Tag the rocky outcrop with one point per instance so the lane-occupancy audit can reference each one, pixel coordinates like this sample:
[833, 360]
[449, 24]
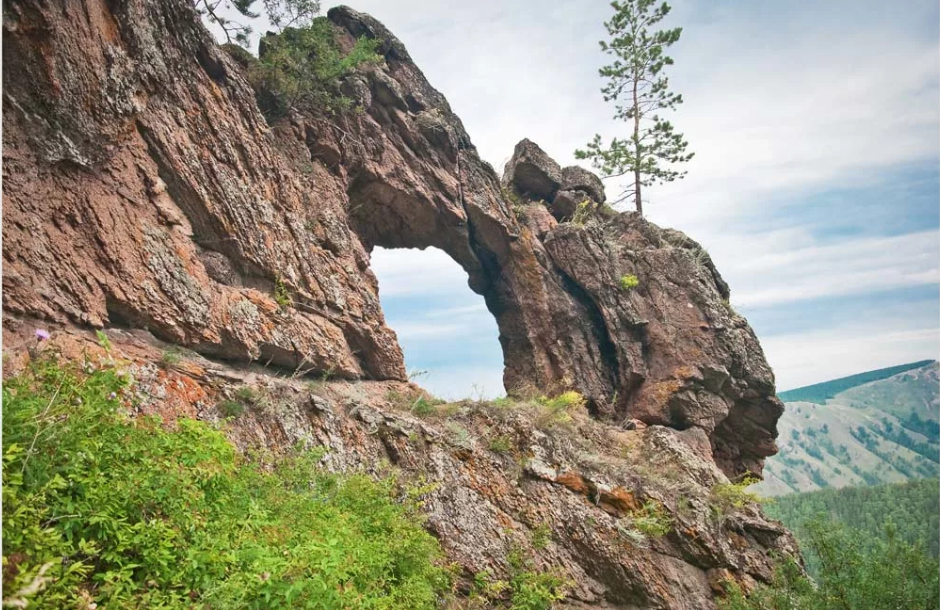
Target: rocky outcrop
[145, 191]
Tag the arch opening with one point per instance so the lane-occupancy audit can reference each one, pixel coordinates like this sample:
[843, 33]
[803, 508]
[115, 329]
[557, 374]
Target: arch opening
[449, 338]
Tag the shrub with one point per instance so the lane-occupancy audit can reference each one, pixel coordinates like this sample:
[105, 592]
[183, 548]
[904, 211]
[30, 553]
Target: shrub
[231, 408]
[170, 357]
[557, 409]
[123, 513]
[281, 294]
[652, 520]
[500, 444]
[531, 589]
[893, 574]
[727, 496]
[541, 536]
[583, 213]
[629, 282]
[303, 68]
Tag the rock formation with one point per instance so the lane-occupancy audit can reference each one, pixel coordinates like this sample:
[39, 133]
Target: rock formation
[144, 193]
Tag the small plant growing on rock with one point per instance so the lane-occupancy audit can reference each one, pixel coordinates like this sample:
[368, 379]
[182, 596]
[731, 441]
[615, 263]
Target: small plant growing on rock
[583, 213]
[422, 407]
[541, 536]
[170, 357]
[652, 520]
[533, 590]
[459, 435]
[629, 282]
[558, 409]
[728, 496]
[103, 340]
[500, 444]
[231, 408]
[281, 294]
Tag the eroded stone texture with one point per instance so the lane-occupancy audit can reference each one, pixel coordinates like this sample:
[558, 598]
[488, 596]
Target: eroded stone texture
[562, 493]
[144, 190]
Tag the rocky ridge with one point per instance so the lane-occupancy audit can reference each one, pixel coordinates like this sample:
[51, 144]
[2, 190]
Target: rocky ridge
[146, 195]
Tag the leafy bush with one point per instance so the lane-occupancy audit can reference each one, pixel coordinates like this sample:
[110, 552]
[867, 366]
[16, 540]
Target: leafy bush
[281, 294]
[652, 520]
[629, 282]
[727, 496]
[500, 444]
[231, 408]
[583, 213]
[531, 589]
[124, 513]
[557, 409]
[303, 68]
[892, 574]
[541, 536]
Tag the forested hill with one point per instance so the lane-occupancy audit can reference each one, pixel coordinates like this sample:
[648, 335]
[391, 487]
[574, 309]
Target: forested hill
[821, 392]
[877, 427]
[911, 508]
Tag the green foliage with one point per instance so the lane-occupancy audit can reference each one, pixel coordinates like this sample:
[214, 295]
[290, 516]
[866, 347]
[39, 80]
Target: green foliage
[652, 520]
[124, 513]
[281, 294]
[728, 496]
[912, 507]
[170, 357]
[629, 282]
[103, 340]
[583, 213]
[303, 67]
[541, 536]
[231, 408]
[500, 444]
[636, 83]
[533, 589]
[558, 409]
[821, 392]
[892, 574]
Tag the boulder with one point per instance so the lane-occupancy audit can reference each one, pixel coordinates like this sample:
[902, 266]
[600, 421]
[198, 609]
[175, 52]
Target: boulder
[576, 178]
[531, 172]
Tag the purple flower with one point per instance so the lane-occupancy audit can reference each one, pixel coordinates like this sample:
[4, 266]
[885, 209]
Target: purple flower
[42, 335]
[112, 395]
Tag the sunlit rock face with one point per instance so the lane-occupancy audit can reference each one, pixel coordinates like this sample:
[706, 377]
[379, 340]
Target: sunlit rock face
[144, 190]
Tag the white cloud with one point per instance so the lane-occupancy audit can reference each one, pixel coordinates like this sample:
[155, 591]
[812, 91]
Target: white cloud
[413, 272]
[787, 266]
[800, 359]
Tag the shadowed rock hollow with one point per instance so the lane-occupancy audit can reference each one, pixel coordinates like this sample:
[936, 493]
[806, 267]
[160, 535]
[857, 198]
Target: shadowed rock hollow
[144, 191]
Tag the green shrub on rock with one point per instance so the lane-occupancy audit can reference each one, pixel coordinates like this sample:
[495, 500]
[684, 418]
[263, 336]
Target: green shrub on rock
[125, 513]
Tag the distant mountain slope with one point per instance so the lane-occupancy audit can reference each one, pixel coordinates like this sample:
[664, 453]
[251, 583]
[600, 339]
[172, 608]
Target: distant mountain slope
[821, 392]
[885, 430]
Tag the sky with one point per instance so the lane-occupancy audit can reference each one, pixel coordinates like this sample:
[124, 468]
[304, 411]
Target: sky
[814, 184]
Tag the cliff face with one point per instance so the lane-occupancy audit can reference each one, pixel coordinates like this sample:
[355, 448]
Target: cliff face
[145, 194]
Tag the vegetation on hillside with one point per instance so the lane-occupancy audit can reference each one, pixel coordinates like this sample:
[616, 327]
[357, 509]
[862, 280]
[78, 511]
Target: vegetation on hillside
[855, 572]
[912, 509]
[821, 392]
[882, 431]
[102, 510]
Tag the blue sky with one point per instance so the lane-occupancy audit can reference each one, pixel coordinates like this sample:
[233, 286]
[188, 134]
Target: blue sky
[814, 186]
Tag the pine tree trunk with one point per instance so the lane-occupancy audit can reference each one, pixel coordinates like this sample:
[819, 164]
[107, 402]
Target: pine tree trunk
[636, 144]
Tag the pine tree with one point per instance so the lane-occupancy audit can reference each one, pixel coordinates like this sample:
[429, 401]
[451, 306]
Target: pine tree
[635, 82]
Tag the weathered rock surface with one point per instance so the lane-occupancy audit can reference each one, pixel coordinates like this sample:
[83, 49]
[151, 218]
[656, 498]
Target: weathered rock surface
[144, 190]
[563, 493]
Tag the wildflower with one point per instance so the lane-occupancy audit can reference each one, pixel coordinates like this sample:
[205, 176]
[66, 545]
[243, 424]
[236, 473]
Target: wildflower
[42, 334]
[112, 395]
